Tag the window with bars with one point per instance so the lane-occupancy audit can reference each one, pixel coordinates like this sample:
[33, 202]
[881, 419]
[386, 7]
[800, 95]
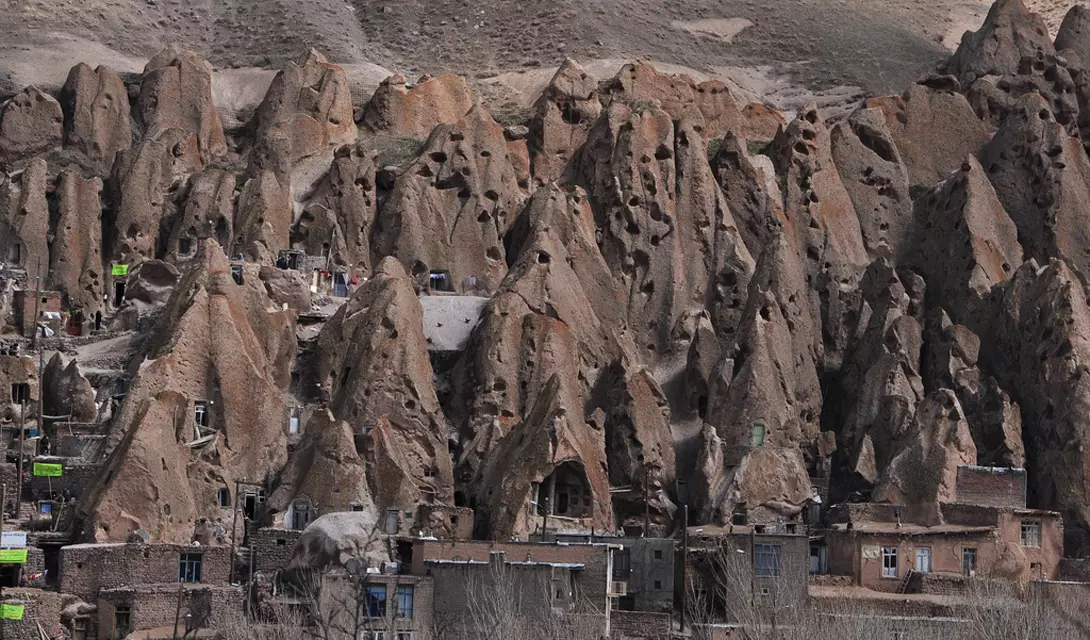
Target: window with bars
[1031, 533]
[767, 559]
[20, 393]
[405, 593]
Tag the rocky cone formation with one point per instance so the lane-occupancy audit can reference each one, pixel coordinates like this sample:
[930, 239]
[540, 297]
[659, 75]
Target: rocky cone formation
[675, 298]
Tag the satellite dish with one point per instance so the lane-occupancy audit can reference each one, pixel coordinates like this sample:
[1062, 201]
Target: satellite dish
[353, 565]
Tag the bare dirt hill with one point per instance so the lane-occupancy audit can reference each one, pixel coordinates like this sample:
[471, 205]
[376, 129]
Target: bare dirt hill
[877, 45]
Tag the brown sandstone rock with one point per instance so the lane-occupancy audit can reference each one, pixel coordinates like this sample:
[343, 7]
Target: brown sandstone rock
[24, 218]
[566, 110]
[176, 93]
[372, 363]
[773, 387]
[76, 267]
[751, 189]
[412, 111]
[876, 179]
[934, 130]
[1009, 32]
[66, 392]
[218, 343]
[667, 233]
[347, 197]
[30, 123]
[551, 445]
[1040, 345]
[1042, 177]
[96, 115]
[966, 243]
[822, 229]
[449, 210]
[994, 419]
[287, 287]
[312, 87]
[1073, 37]
[923, 475]
[205, 210]
[995, 97]
[265, 214]
[639, 443]
[142, 181]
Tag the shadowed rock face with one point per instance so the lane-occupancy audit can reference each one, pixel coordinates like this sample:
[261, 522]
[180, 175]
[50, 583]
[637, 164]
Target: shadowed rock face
[219, 344]
[24, 218]
[66, 392]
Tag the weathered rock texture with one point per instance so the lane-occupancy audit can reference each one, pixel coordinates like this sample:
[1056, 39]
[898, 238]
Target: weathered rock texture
[96, 115]
[76, 267]
[375, 374]
[30, 123]
[176, 93]
[450, 208]
[411, 111]
[218, 344]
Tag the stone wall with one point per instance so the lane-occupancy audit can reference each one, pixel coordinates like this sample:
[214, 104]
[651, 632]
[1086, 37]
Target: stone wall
[77, 476]
[639, 624]
[938, 584]
[992, 486]
[87, 569]
[155, 606]
[39, 606]
[271, 548]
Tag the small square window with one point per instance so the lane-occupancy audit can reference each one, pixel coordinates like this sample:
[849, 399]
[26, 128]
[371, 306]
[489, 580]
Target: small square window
[658, 584]
[1031, 533]
[658, 554]
[224, 497]
[20, 393]
[189, 567]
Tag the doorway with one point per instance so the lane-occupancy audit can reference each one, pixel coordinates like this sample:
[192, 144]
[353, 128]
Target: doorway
[119, 292]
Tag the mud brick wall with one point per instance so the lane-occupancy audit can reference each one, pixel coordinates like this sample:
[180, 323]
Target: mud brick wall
[272, 548]
[155, 606]
[639, 624]
[87, 569]
[77, 476]
[992, 487]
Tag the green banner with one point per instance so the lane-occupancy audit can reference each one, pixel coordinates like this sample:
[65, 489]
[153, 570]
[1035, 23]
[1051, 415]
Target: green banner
[120, 270]
[11, 611]
[51, 469]
[12, 556]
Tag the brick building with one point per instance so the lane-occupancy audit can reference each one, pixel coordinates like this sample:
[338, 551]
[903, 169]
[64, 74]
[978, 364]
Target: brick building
[88, 569]
[645, 566]
[29, 305]
[270, 548]
[987, 531]
[399, 607]
[744, 572]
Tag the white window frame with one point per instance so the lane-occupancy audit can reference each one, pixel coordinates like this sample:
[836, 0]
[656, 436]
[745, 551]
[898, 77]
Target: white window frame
[923, 553]
[1030, 533]
[890, 572]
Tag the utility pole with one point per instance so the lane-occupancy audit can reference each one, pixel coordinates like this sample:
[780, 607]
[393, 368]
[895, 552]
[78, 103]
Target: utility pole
[646, 503]
[37, 300]
[684, 559]
[22, 441]
[234, 528]
[178, 608]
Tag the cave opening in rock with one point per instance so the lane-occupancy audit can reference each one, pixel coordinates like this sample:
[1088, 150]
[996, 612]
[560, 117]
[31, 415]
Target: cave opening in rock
[565, 492]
